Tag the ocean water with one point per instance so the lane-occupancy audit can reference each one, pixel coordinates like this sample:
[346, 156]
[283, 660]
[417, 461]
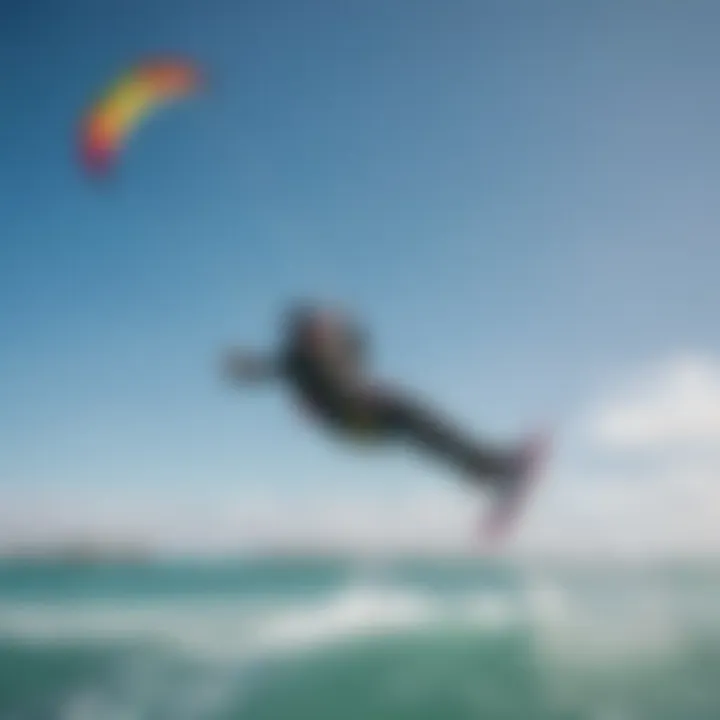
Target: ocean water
[343, 639]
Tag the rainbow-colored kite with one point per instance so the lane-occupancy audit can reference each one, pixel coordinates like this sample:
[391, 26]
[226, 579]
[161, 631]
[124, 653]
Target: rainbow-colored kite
[136, 94]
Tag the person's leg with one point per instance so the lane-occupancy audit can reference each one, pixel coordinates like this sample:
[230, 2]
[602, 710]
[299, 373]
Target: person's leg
[407, 419]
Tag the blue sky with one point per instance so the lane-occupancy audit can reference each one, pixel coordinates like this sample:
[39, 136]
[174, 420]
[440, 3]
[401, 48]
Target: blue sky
[518, 197]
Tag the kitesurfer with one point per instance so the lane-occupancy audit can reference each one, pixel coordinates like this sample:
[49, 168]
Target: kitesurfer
[323, 359]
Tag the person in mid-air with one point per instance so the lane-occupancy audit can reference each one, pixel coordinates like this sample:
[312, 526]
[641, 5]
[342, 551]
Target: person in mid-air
[322, 359]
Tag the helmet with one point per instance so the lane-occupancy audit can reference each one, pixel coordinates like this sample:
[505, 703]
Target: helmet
[315, 323]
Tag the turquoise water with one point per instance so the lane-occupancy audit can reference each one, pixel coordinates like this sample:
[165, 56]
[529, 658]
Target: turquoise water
[340, 639]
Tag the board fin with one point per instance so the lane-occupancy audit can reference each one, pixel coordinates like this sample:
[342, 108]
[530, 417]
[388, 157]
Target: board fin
[512, 498]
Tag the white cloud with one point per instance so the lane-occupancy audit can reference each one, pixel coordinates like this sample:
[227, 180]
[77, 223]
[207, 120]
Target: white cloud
[677, 402]
[651, 482]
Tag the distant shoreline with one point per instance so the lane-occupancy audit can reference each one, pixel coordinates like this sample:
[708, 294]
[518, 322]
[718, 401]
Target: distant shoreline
[93, 554]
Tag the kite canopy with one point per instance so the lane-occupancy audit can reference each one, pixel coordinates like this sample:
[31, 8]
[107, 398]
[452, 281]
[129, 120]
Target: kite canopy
[128, 101]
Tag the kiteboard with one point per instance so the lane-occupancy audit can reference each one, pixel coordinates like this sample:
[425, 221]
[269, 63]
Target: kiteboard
[508, 507]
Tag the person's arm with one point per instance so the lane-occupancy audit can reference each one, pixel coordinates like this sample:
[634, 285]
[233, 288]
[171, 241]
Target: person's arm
[248, 367]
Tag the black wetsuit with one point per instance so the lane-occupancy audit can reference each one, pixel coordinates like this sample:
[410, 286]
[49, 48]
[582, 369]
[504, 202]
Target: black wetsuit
[334, 385]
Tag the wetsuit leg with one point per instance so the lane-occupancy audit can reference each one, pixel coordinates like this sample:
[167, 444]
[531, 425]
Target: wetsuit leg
[407, 419]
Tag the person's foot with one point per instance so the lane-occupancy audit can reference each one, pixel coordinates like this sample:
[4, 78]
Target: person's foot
[513, 489]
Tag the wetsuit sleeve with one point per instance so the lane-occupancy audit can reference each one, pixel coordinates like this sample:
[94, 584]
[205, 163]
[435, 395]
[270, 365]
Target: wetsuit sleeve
[248, 367]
